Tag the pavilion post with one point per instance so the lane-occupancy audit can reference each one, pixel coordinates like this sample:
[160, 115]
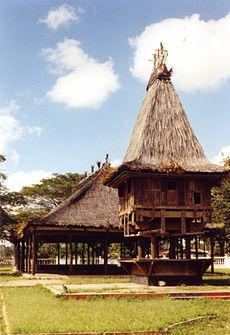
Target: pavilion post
[66, 253]
[23, 256]
[71, 254]
[76, 250]
[212, 252]
[88, 254]
[106, 245]
[58, 253]
[34, 253]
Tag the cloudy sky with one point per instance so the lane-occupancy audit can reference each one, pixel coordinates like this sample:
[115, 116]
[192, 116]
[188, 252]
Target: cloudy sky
[73, 75]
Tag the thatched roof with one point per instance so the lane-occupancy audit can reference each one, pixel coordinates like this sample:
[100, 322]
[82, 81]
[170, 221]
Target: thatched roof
[92, 205]
[162, 136]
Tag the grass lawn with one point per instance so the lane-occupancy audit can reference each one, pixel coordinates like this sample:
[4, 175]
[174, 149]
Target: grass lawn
[40, 311]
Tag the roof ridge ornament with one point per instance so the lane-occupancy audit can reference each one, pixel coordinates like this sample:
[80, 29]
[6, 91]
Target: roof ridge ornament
[159, 57]
[160, 70]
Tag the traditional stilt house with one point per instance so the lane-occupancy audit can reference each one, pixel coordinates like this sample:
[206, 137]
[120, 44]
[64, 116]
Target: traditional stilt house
[164, 186]
[84, 225]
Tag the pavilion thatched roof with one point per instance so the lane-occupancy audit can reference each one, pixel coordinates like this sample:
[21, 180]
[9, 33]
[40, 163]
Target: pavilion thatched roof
[92, 205]
[162, 136]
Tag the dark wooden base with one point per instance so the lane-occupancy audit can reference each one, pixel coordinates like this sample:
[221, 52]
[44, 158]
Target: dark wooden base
[166, 271]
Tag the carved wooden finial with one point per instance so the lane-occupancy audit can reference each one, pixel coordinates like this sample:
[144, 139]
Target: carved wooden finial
[159, 58]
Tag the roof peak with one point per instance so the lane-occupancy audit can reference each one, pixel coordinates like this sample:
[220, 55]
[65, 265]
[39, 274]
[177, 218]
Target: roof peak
[160, 70]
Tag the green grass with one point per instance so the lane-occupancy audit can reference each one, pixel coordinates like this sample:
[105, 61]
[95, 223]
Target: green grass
[40, 311]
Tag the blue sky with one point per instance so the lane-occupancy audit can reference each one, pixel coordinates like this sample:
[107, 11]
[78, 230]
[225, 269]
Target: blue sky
[73, 76]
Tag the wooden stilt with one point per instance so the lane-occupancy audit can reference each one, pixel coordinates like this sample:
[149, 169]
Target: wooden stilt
[153, 247]
[187, 247]
[196, 247]
[172, 248]
[181, 248]
[139, 248]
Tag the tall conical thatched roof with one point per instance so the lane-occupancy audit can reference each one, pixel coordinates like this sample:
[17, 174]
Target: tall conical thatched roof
[162, 135]
[92, 205]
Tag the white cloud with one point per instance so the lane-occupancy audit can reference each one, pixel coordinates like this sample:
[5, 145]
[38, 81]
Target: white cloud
[34, 130]
[83, 81]
[16, 181]
[11, 129]
[61, 16]
[223, 153]
[198, 51]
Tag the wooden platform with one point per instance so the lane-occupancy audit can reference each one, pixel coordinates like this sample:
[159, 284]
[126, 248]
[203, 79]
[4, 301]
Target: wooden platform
[166, 271]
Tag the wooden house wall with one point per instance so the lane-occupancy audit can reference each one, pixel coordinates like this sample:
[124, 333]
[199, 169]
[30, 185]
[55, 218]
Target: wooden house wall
[156, 192]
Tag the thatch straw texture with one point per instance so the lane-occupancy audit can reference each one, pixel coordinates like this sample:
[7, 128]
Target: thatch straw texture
[162, 135]
[92, 205]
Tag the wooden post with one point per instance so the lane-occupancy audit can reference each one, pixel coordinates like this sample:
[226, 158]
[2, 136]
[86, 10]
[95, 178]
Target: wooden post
[16, 255]
[34, 253]
[71, 254]
[181, 248]
[163, 229]
[58, 253]
[83, 253]
[196, 247]
[139, 248]
[93, 253]
[153, 247]
[29, 254]
[106, 245]
[121, 248]
[187, 247]
[88, 253]
[66, 253]
[183, 225]
[212, 252]
[76, 249]
[172, 248]
[23, 256]
[204, 248]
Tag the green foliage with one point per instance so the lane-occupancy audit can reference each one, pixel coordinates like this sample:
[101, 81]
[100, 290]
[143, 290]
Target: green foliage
[39, 199]
[221, 215]
[50, 192]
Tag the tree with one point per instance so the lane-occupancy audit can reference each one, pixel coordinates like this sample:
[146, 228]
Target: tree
[7, 199]
[221, 212]
[42, 197]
